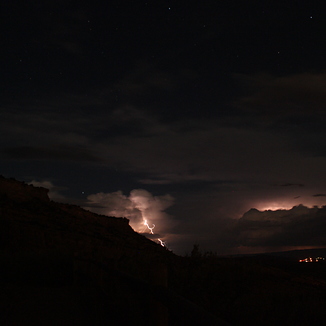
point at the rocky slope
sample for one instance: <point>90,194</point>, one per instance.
<point>61,264</point>
<point>31,222</point>
<point>46,245</point>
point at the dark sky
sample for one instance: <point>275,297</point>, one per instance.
<point>186,114</point>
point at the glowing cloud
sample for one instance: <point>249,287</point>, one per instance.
<point>144,210</point>
<point>297,228</point>
<point>288,203</point>
<point>53,190</point>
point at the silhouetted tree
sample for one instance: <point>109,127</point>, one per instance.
<point>195,253</point>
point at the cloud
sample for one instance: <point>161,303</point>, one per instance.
<point>298,94</point>
<point>53,190</point>
<point>292,185</point>
<point>319,195</point>
<point>51,153</point>
<point>291,105</point>
<point>141,142</point>
<point>140,206</point>
<point>299,226</point>
<point>147,79</point>
<point>114,204</point>
<point>153,151</point>
<point>218,170</point>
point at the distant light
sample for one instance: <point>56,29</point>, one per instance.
<point>311,260</point>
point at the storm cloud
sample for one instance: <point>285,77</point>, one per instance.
<point>140,207</point>
<point>276,230</point>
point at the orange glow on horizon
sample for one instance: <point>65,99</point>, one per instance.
<point>281,204</point>
<point>273,207</point>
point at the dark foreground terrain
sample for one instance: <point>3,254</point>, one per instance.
<point>62,265</point>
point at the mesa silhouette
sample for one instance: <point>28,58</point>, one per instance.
<point>63,265</point>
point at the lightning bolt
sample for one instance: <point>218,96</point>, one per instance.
<point>151,228</point>
<point>162,243</point>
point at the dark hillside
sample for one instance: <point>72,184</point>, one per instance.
<point>254,290</point>
<point>63,265</point>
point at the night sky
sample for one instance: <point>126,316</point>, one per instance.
<point>186,114</point>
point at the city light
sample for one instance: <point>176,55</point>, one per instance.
<point>311,260</point>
